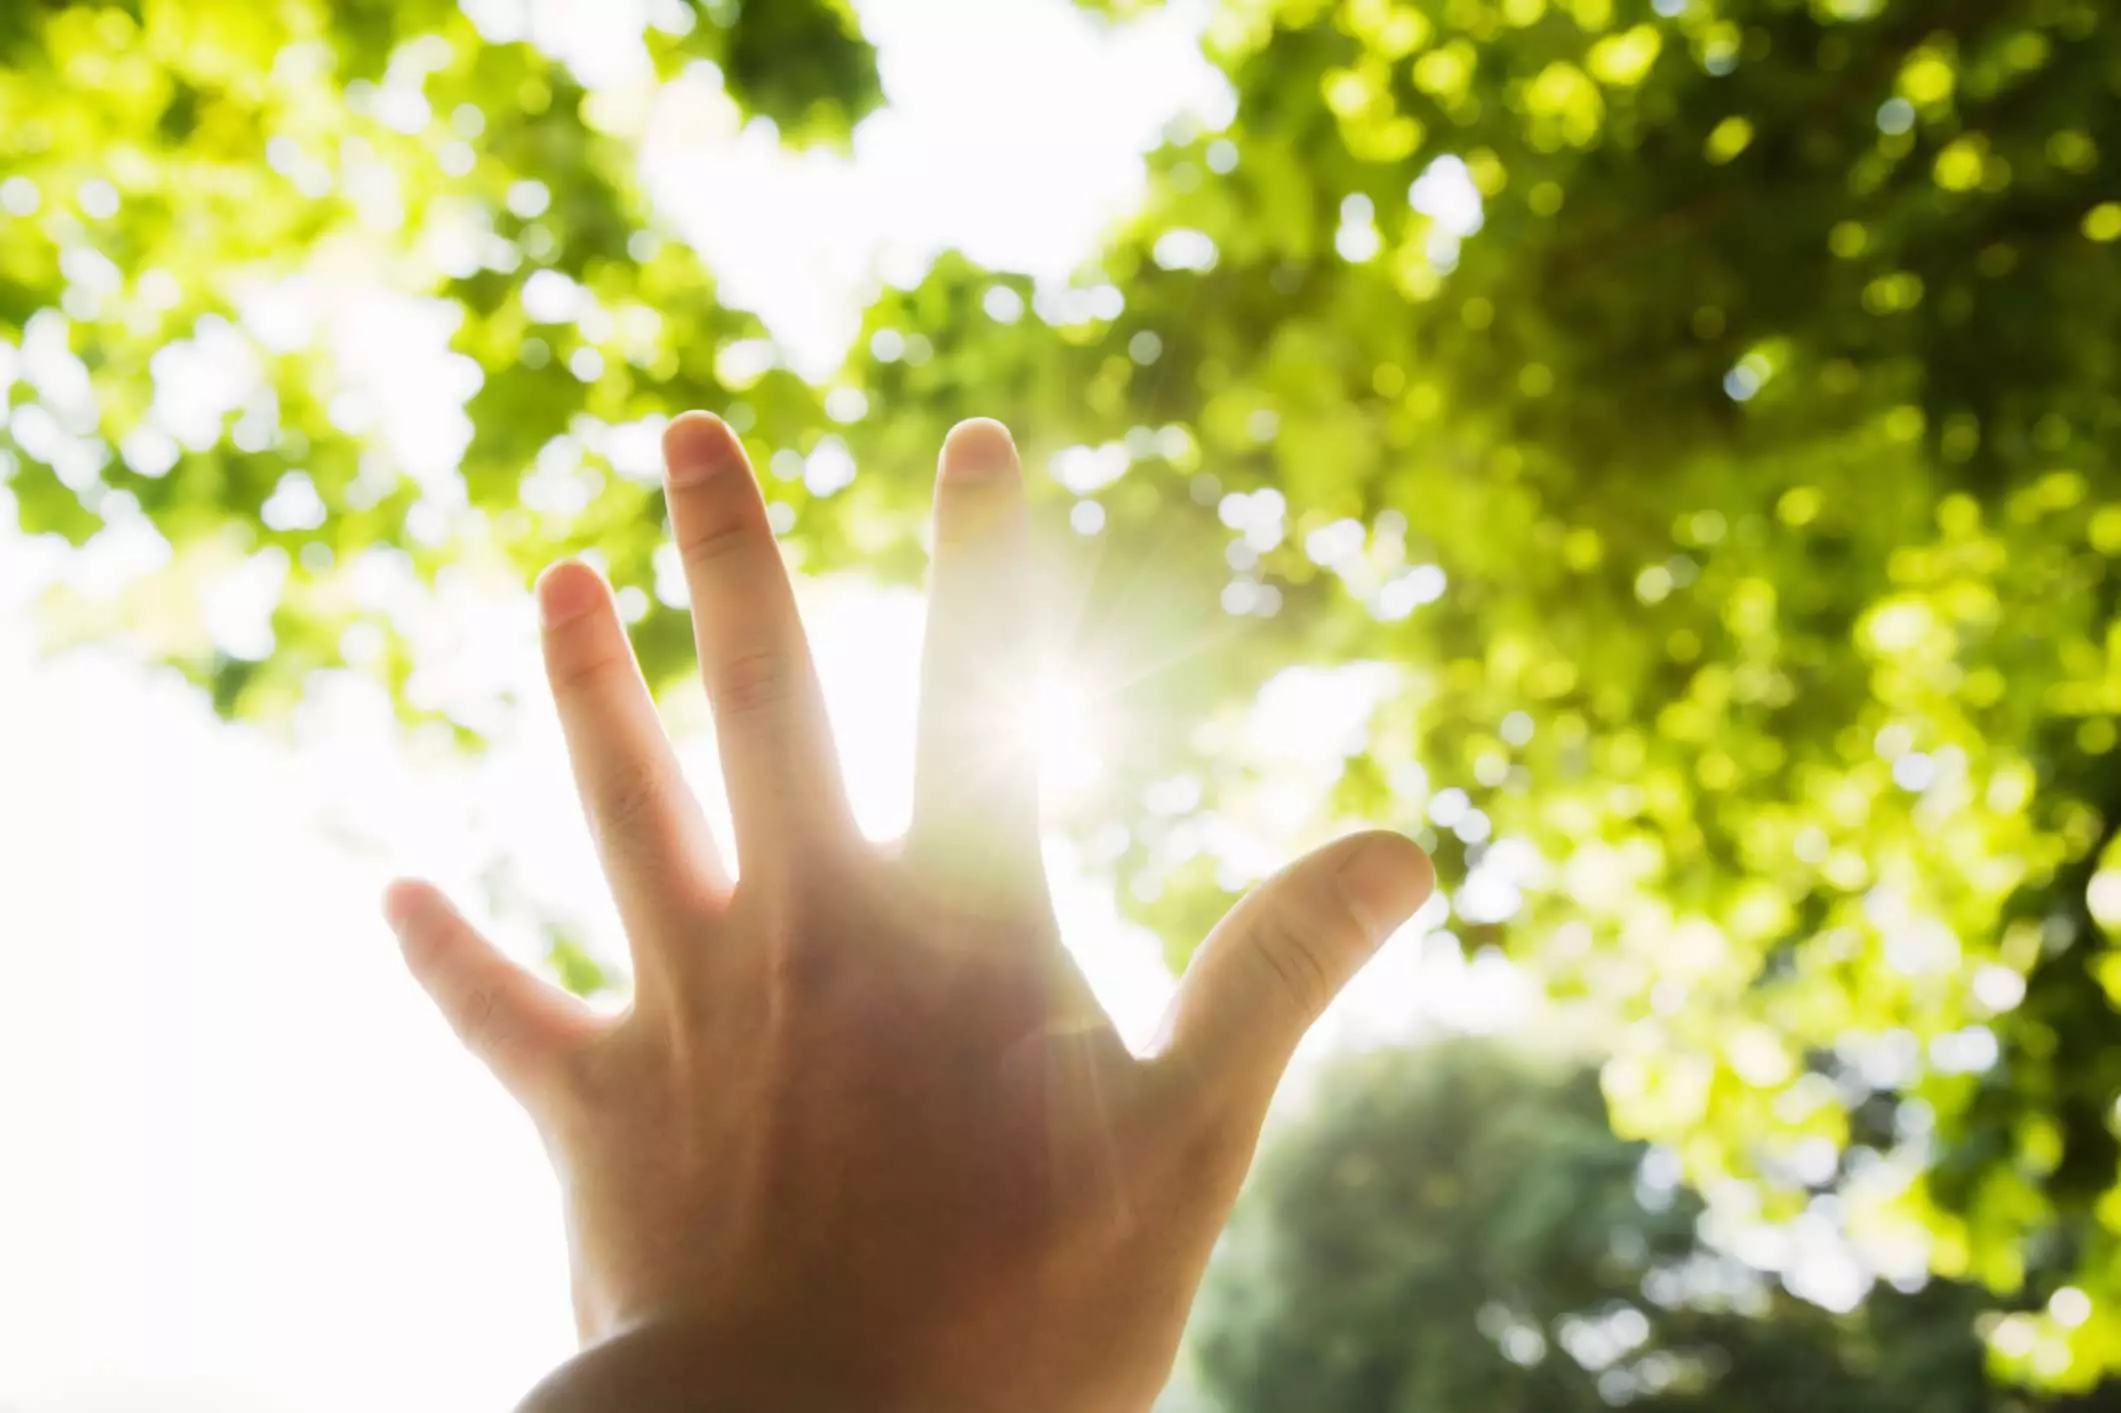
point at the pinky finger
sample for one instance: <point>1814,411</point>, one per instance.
<point>517,1025</point>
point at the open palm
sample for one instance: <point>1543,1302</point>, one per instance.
<point>863,1137</point>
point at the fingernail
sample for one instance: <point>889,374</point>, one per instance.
<point>1385,880</point>
<point>695,446</point>
<point>566,591</point>
<point>976,448</point>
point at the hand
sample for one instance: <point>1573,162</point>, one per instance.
<point>864,1140</point>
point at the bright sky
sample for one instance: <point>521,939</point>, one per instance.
<point>245,1168</point>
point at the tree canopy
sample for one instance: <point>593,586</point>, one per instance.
<point>1708,409</point>
<point>1705,410</point>
<point>204,202</point>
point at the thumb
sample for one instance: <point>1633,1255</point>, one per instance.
<point>1272,966</point>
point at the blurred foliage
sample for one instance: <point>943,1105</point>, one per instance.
<point>1705,409</point>
<point>1709,410</point>
<point>1456,1230</point>
<point>234,197</point>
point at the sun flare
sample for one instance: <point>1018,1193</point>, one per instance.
<point>1065,734</point>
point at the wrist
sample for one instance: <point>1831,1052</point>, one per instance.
<point>646,1368</point>
<point>678,1365</point>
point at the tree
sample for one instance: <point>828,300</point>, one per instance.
<point>1454,1229</point>
<point>1707,409</point>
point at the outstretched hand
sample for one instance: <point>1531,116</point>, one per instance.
<point>863,1139</point>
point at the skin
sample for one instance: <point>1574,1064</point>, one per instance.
<point>863,1139</point>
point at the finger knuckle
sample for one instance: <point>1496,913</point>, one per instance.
<point>714,544</point>
<point>748,683</point>
<point>1285,941</point>
<point>479,1023</point>
<point>584,1078</point>
<point>630,797</point>
<point>577,672</point>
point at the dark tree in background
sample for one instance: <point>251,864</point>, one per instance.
<point>1455,1229</point>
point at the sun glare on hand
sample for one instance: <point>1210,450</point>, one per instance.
<point>1063,731</point>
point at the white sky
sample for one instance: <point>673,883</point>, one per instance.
<point>242,1166</point>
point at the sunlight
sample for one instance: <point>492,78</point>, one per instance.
<point>1052,720</point>
<point>1063,726</point>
